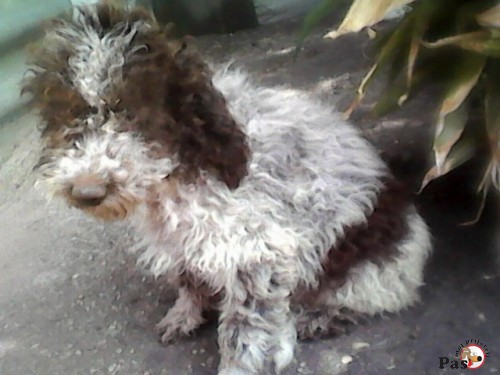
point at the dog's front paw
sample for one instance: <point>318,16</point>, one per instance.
<point>314,324</point>
<point>168,333</point>
<point>174,326</point>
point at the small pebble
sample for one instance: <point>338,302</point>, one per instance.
<point>481,317</point>
<point>119,351</point>
<point>195,351</point>
<point>113,367</point>
<point>78,352</point>
<point>302,364</point>
<point>210,361</point>
<point>360,345</point>
<point>346,359</point>
<point>202,350</point>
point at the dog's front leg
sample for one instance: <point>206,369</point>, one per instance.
<point>184,317</point>
<point>256,332</point>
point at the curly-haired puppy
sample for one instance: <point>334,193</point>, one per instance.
<point>258,202</point>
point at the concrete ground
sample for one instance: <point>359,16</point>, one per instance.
<point>73,302</point>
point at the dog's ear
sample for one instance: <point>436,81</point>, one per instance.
<point>210,137</point>
<point>168,91</point>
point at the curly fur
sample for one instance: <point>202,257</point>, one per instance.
<point>259,202</point>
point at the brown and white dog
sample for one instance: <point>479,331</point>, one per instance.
<point>258,202</point>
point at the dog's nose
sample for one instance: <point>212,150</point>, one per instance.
<point>89,190</point>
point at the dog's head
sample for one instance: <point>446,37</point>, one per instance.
<point>125,109</point>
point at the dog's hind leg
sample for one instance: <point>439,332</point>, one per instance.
<point>370,288</point>
<point>393,285</point>
<point>184,317</point>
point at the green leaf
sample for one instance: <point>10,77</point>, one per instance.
<point>453,126</point>
<point>483,42</point>
<point>422,16</point>
<point>365,13</point>
<point>391,98</point>
<point>490,18</point>
<point>388,52</point>
<point>453,112</point>
<point>460,153</point>
<point>314,17</point>
<point>396,92</point>
<point>492,119</point>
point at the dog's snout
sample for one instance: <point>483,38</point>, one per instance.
<point>89,190</point>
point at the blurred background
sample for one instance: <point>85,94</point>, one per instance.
<point>20,22</point>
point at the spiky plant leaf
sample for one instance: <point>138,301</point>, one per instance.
<point>490,18</point>
<point>392,96</point>
<point>466,73</point>
<point>452,116</point>
<point>453,125</point>
<point>314,17</point>
<point>492,119</point>
<point>482,41</point>
<point>460,153</point>
<point>422,15</point>
<point>388,52</point>
<point>464,56</point>
<point>365,13</point>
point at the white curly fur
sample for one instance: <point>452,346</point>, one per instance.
<point>310,177</point>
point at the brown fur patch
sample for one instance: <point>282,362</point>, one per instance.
<point>169,97</point>
<point>375,240</point>
<point>59,105</point>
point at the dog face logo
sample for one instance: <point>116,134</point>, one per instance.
<point>470,355</point>
<point>474,355</point>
